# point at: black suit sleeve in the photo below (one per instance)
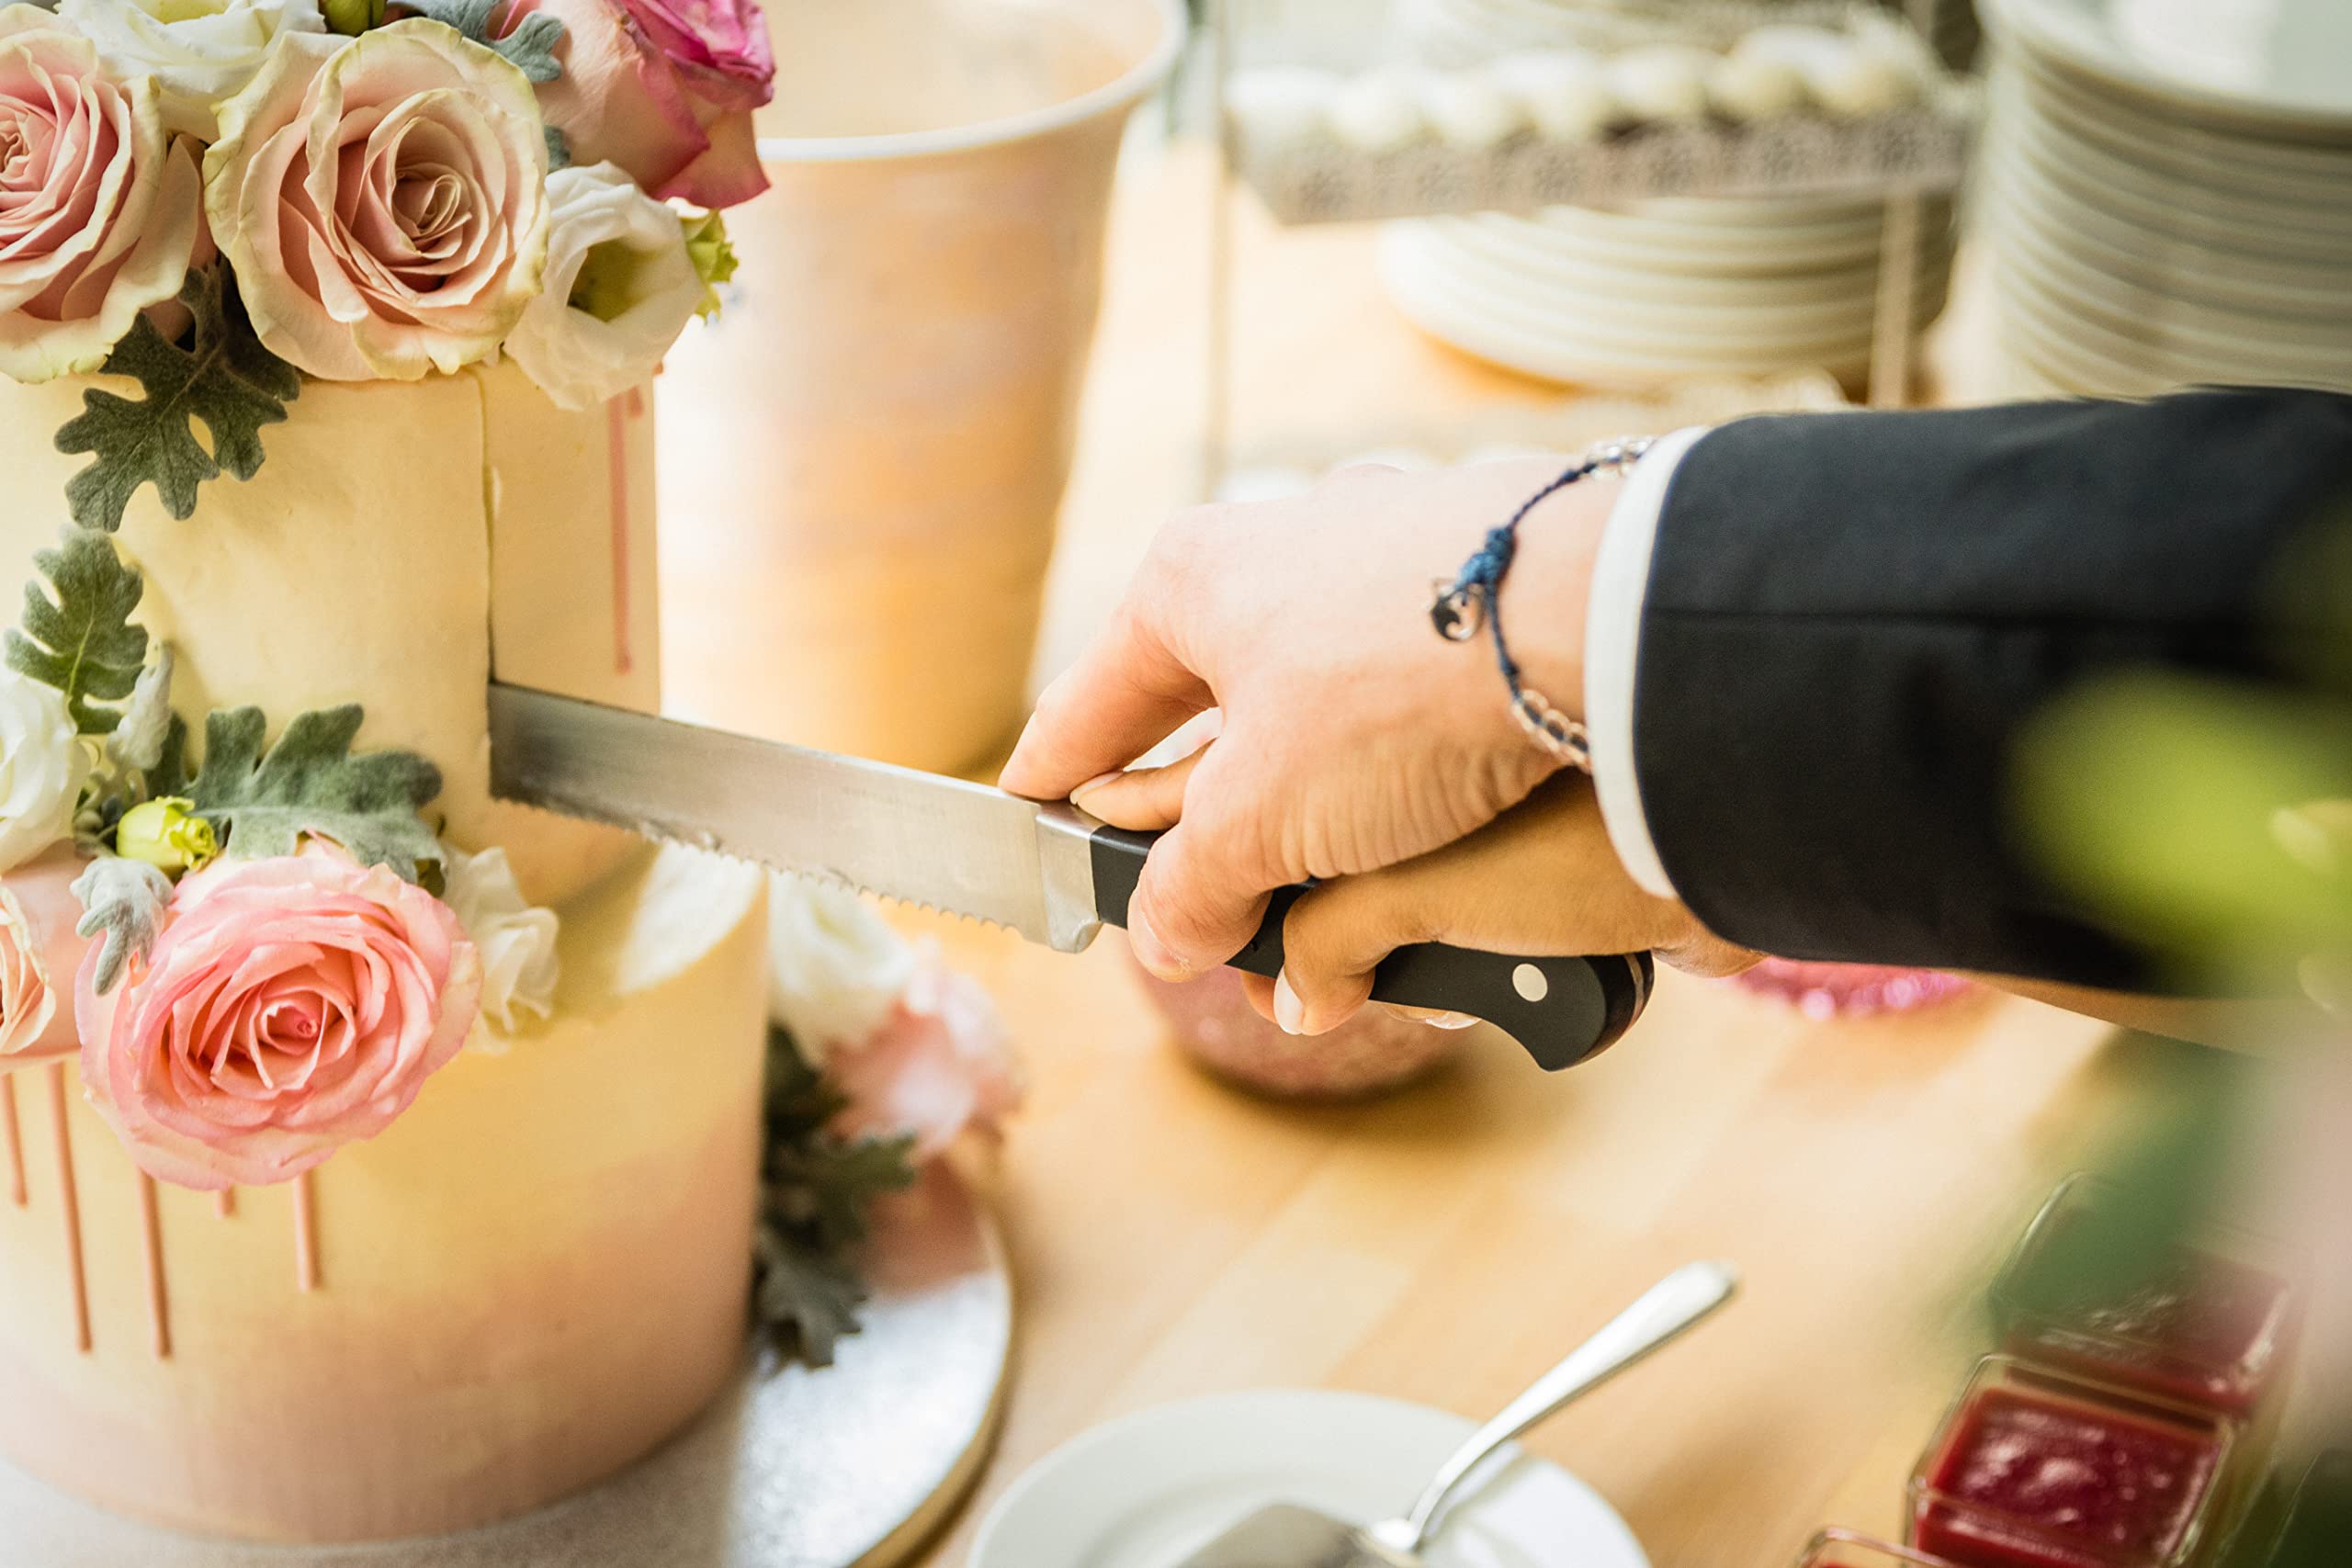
(1850, 617)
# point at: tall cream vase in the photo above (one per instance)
(862, 459)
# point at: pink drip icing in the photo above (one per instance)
(306, 1236)
(16, 1150)
(618, 412)
(151, 1242)
(69, 1203)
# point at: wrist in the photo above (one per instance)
(1545, 595)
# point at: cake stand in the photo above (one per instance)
(851, 1467)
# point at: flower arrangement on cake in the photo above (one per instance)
(220, 198)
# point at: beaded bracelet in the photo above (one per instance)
(1474, 598)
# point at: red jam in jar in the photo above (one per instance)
(2193, 1320)
(2036, 1471)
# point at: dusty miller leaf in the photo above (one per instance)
(78, 635)
(815, 1197)
(311, 782)
(223, 379)
(531, 48)
(558, 148)
(124, 899)
(138, 741)
(807, 1302)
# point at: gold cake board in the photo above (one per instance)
(853, 1466)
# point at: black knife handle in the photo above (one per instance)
(1563, 1010)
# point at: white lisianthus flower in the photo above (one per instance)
(619, 287)
(516, 940)
(835, 967)
(43, 767)
(199, 51)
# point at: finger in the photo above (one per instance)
(1124, 695)
(1434, 1018)
(1203, 891)
(1258, 990)
(1332, 941)
(1142, 800)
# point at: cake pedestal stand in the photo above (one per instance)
(853, 1466)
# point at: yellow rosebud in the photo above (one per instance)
(352, 17)
(166, 834)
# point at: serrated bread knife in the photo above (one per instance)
(1048, 871)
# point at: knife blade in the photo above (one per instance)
(1044, 869)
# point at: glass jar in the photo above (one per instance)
(2203, 1315)
(2031, 1469)
(1844, 1548)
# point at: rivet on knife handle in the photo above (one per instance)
(1563, 1010)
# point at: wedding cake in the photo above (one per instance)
(376, 1158)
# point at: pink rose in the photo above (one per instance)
(940, 1063)
(292, 1006)
(39, 949)
(100, 208)
(664, 88)
(383, 201)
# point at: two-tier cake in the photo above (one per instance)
(376, 1158)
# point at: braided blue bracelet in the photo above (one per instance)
(1474, 598)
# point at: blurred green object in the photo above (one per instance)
(2220, 860)
(2309, 1526)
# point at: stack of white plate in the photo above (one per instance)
(1663, 290)
(1470, 25)
(1660, 290)
(2168, 193)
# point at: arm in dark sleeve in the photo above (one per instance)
(1850, 617)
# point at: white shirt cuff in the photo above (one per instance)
(1612, 637)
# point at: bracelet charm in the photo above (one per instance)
(1459, 609)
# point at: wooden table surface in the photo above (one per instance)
(1173, 1238)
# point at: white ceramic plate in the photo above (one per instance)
(2315, 227)
(2278, 69)
(1479, 326)
(2148, 304)
(1794, 290)
(1147, 1490)
(1628, 313)
(2228, 276)
(2058, 315)
(2145, 271)
(2163, 139)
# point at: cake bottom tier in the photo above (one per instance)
(529, 1280)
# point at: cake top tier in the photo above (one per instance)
(218, 198)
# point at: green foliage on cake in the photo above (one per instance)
(312, 783)
(78, 636)
(221, 377)
(816, 1188)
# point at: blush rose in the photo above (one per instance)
(40, 951)
(98, 204)
(292, 1006)
(383, 201)
(664, 88)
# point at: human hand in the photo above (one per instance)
(1542, 880)
(1353, 737)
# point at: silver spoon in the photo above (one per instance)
(1284, 1535)
(1672, 1305)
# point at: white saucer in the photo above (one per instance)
(1147, 1490)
